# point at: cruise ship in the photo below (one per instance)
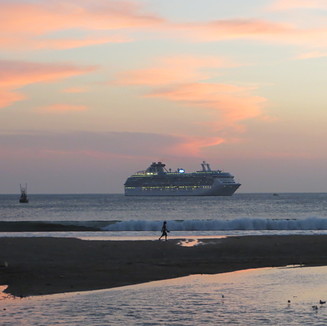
(156, 180)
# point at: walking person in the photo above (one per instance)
(164, 231)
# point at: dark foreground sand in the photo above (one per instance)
(52, 265)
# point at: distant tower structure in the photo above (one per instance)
(23, 194)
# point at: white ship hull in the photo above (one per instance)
(216, 189)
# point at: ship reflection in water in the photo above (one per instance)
(156, 180)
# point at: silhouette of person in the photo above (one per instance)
(164, 230)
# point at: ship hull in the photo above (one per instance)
(217, 189)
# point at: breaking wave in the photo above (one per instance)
(239, 224)
(221, 225)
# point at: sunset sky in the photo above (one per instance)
(92, 91)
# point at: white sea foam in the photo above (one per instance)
(221, 225)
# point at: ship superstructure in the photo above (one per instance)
(156, 180)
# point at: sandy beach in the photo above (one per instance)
(36, 266)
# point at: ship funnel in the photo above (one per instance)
(208, 166)
(203, 164)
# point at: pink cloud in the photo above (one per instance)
(20, 73)
(288, 154)
(29, 25)
(39, 18)
(24, 22)
(61, 108)
(73, 43)
(16, 74)
(43, 42)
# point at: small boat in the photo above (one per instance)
(23, 194)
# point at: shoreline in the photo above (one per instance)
(38, 266)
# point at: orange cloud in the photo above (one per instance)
(229, 103)
(121, 144)
(62, 108)
(298, 4)
(177, 69)
(312, 55)
(73, 43)
(37, 43)
(7, 97)
(233, 29)
(75, 90)
(315, 36)
(16, 74)
(192, 146)
(185, 80)
(250, 29)
(240, 28)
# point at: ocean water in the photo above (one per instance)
(120, 216)
(117, 215)
(252, 297)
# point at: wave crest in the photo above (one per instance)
(221, 225)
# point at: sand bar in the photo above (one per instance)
(37, 266)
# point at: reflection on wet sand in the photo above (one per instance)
(39, 266)
(268, 296)
(5, 296)
(189, 243)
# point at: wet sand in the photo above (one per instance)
(36, 266)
